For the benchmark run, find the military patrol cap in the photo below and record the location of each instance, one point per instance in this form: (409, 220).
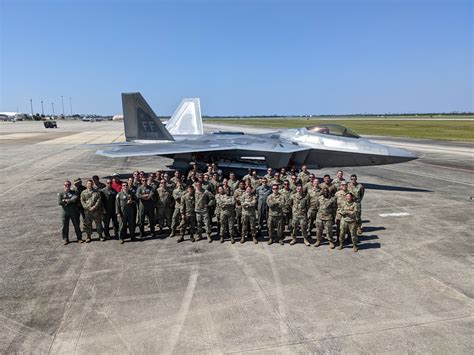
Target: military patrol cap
(77, 180)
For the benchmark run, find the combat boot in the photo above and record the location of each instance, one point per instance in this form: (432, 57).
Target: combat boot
(193, 239)
(341, 246)
(101, 237)
(232, 240)
(331, 245)
(121, 241)
(270, 241)
(254, 238)
(80, 241)
(116, 234)
(242, 240)
(88, 239)
(180, 239)
(318, 243)
(221, 239)
(293, 241)
(65, 242)
(281, 241)
(359, 230)
(306, 242)
(209, 239)
(355, 248)
(172, 234)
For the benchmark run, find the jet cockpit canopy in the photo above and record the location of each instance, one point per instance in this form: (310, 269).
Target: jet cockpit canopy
(333, 129)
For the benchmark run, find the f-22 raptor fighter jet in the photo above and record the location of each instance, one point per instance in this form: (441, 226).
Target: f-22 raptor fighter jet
(183, 140)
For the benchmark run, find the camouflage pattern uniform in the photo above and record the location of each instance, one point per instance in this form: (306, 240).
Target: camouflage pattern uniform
(204, 200)
(313, 195)
(330, 187)
(287, 193)
(304, 177)
(275, 204)
(146, 208)
(336, 182)
(93, 211)
(324, 220)
(358, 192)
(178, 193)
(248, 203)
(349, 212)
(188, 214)
(238, 209)
(226, 206)
(233, 184)
(340, 197)
(164, 206)
(68, 202)
(126, 207)
(300, 203)
(108, 200)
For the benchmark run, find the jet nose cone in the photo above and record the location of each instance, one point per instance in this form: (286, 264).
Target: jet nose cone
(401, 155)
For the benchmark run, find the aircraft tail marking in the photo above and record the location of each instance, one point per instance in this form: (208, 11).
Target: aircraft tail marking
(139, 120)
(186, 118)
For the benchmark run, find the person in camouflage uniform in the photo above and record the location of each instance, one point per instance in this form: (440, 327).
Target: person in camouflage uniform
(108, 200)
(293, 182)
(269, 176)
(349, 212)
(226, 205)
(336, 182)
(164, 205)
(304, 175)
(275, 203)
(238, 208)
(286, 192)
(177, 177)
(78, 188)
(188, 214)
(357, 191)
(233, 182)
(326, 184)
(299, 203)
(277, 180)
(340, 199)
(146, 207)
(313, 195)
(324, 219)
(93, 211)
(178, 193)
(309, 184)
(126, 208)
(67, 199)
(204, 200)
(248, 201)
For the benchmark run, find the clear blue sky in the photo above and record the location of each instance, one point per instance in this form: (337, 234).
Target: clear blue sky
(239, 57)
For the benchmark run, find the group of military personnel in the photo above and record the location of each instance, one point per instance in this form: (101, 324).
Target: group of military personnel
(281, 201)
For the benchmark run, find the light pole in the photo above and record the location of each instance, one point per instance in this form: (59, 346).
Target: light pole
(70, 105)
(42, 108)
(31, 106)
(52, 105)
(62, 103)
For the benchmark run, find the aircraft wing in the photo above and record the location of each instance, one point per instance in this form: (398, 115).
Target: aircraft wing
(202, 146)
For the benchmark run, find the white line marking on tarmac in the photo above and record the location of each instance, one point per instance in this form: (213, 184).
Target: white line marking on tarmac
(425, 175)
(396, 214)
(183, 311)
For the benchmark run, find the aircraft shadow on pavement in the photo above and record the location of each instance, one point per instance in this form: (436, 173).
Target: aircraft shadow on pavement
(394, 188)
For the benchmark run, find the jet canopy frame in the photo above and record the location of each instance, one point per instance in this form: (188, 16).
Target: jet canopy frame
(333, 130)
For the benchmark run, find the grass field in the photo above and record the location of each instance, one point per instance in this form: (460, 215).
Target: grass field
(426, 129)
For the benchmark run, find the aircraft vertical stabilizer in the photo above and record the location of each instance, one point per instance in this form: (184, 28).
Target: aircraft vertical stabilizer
(140, 122)
(186, 118)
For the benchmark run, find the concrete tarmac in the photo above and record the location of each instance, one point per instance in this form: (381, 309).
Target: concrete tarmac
(409, 289)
